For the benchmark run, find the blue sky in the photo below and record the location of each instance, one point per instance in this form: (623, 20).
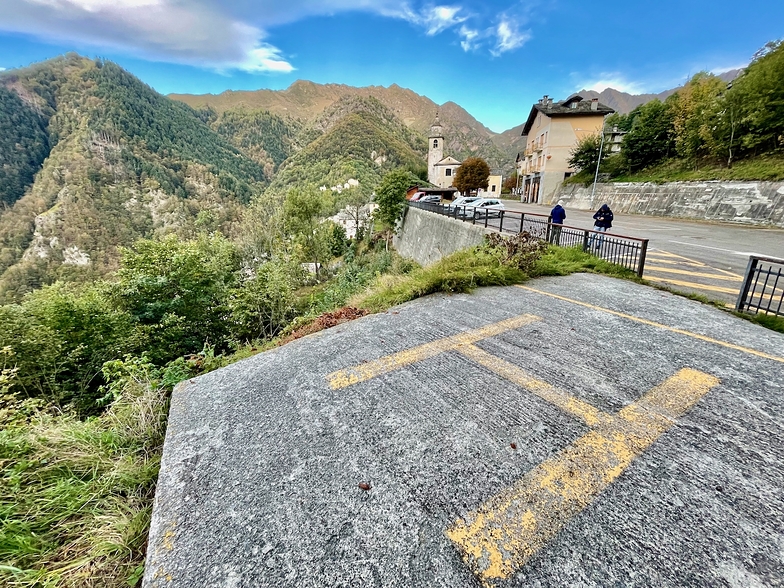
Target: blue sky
(493, 57)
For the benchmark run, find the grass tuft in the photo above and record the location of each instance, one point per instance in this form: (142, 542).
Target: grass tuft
(76, 496)
(460, 272)
(562, 261)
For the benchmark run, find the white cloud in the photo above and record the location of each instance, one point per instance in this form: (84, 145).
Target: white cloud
(471, 38)
(434, 19)
(266, 58)
(440, 18)
(166, 30)
(230, 34)
(509, 36)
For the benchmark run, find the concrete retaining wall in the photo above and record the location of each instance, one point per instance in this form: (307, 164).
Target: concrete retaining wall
(426, 237)
(756, 203)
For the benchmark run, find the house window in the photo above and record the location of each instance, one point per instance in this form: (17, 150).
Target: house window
(435, 143)
(573, 105)
(493, 188)
(448, 172)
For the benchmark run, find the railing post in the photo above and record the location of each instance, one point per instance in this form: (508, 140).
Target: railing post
(744, 291)
(501, 223)
(643, 253)
(549, 232)
(585, 241)
(522, 219)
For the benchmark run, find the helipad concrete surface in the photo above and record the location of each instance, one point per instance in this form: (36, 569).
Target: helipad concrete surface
(578, 431)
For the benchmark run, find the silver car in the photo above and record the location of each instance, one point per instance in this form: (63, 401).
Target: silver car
(489, 207)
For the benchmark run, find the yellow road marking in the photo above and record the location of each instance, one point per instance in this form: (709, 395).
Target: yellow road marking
(695, 285)
(658, 325)
(590, 415)
(663, 253)
(383, 365)
(670, 261)
(693, 261)
(669, 270)
(501, 535)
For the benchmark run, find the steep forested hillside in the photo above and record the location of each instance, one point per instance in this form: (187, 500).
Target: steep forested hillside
(266, 138)
(355, 138)
(306, 102)
(24, 144)
(122, 162)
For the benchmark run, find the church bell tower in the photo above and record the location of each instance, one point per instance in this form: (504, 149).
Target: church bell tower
(435, 150)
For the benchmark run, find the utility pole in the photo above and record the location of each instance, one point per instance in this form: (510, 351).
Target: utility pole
(598, 163)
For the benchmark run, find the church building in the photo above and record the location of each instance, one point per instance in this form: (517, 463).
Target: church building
(440, 170)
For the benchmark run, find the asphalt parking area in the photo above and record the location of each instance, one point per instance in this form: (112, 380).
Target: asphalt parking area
(575, 431)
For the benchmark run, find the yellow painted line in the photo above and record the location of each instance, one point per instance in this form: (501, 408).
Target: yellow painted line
(501, 535)
(671, 262)
(669, 270)
(668, 254)
(366, 371)
(695, 262)
(695, 285)
(659, 325)
(590, 415)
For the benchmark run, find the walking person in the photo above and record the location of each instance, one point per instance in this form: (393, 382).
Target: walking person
(558, 216)
(602, 221)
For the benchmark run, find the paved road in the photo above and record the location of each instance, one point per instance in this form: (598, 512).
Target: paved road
(578, 431)
(701, 257)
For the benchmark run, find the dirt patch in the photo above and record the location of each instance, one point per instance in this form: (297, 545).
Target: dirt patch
(326, 321)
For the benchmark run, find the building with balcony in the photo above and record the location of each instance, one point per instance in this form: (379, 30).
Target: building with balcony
(552, 131)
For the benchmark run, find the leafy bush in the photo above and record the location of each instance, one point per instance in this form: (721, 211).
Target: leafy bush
(265, 302)
(177, 293)
(60, 337)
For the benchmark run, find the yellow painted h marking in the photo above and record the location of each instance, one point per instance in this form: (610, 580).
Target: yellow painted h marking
(383, 365)
(502, 534)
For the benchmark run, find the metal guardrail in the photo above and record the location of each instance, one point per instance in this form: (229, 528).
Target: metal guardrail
(628, 252)
(763, 287)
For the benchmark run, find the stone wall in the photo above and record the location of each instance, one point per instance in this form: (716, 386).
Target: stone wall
(755, 203)
(426, 237)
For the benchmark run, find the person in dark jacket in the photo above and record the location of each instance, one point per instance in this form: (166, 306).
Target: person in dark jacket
(602, 221)
(558, 215)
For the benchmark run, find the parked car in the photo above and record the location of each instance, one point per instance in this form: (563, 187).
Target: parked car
(416, 196)
(490, 207)
(431, 198)
(461, 202)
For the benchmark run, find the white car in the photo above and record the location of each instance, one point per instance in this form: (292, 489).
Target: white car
(462, 201)
(430, 198)
(485, 207)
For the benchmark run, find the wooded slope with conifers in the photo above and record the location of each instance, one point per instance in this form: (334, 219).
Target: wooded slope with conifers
(94, 159)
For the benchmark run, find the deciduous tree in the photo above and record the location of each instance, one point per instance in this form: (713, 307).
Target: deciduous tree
(472, 175)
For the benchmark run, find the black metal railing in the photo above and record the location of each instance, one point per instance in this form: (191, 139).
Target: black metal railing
(628, 252)
(763, 287)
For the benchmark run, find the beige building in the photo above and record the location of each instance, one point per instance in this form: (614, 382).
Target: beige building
(493, 187)
(552, 130)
